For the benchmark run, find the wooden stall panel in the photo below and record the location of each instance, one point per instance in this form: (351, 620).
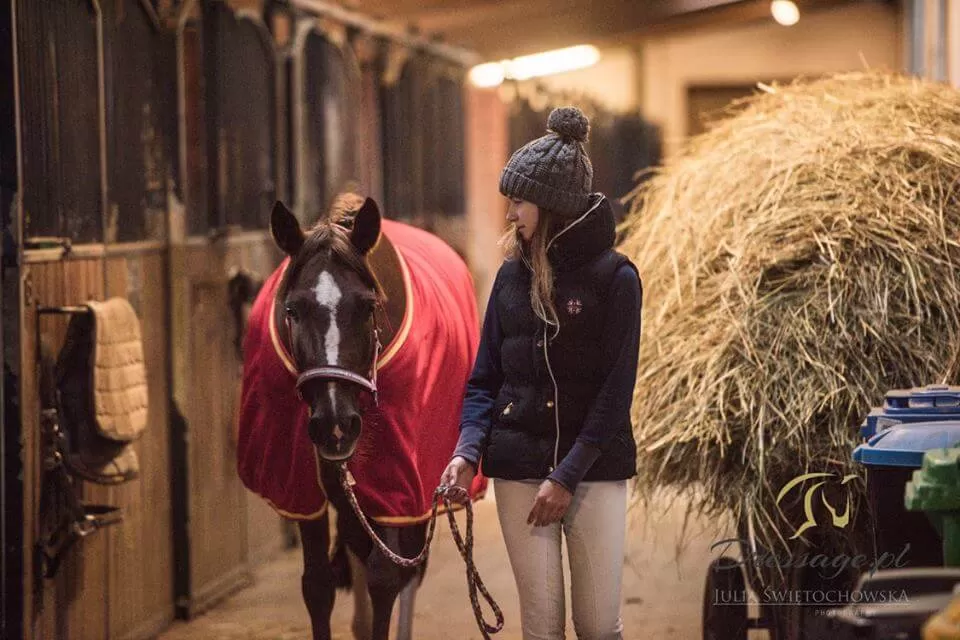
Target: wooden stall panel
(223, 531)
(217, 511)
(73, 605)
(116, 583)
(88, 610)
(157, 544)
(267, 533)
(141, 548)
(126, 598)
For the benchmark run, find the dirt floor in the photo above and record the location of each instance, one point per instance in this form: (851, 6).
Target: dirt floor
(663, 588)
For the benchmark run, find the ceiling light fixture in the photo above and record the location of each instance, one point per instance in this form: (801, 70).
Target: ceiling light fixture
(785, 12)
(491, 74)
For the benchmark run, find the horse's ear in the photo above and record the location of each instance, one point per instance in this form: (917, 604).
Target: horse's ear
(366, 227)
(286, 229)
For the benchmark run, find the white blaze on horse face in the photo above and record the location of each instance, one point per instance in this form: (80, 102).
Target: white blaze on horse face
(331, 389)
(328, 295)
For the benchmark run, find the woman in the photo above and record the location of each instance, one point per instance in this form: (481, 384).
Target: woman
(547, 408)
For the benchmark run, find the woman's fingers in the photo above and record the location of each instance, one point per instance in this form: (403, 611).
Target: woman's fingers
(543, 513)
(454, 473)
(449, 477)
(456, 480)
(550, 515)
(534, 517)
(457, 494)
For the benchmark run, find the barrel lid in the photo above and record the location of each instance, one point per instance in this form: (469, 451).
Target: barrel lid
(934, 397)
(904, 445)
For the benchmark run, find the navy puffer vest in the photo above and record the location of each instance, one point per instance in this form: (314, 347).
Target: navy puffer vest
(549, 386)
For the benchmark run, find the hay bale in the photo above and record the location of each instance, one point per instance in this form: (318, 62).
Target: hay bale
(799, 259)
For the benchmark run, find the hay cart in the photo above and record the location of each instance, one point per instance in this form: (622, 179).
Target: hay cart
(893, 440)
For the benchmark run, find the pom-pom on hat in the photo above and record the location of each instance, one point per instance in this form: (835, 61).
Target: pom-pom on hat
(553, 171)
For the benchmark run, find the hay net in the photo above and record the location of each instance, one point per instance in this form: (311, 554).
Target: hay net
(799, 259)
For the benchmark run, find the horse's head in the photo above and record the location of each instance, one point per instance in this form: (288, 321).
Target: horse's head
(329, 298)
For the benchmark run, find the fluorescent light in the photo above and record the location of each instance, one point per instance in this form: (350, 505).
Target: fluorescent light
(550, 62)
(491, 74)
(785, 12)
(487, 75)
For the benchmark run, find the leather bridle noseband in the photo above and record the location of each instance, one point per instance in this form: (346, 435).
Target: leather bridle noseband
(332, 372)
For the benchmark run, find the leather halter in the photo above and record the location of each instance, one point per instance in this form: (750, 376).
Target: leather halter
(332, 372)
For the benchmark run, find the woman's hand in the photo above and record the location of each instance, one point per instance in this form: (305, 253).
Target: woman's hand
(551, 503)
(458, 476)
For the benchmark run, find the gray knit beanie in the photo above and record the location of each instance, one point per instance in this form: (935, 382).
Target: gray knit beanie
(553, 172)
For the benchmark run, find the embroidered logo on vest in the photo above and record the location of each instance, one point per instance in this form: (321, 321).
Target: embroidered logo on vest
(574, 306)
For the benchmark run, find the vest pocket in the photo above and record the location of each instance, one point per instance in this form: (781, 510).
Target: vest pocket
(516, 455)
(505, 408)
(511, 408)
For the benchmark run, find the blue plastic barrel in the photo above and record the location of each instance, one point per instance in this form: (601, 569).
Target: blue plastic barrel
(890, 457)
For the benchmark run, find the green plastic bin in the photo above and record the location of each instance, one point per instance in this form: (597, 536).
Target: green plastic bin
(935, 490)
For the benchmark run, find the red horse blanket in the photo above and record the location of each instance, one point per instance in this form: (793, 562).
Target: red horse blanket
(407, 441)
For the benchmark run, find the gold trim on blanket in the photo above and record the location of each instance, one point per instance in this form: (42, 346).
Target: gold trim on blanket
(398, 340)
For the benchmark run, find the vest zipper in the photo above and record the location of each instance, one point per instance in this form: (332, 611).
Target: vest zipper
(575, 222)
(546, 356)
(556, 399)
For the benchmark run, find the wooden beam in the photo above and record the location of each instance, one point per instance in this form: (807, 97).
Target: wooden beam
(527, 26)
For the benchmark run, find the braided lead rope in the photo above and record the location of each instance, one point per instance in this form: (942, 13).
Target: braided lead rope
(465, 546)
(347, 482)
(474, 583)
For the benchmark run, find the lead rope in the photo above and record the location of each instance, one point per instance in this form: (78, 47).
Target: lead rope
(464, 545)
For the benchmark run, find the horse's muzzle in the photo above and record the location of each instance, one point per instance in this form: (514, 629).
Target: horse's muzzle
(335, 441)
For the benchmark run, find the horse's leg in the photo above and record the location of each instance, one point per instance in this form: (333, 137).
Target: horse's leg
(362, 609)
(408, 595)
(317, 583)
(384, 579)
(387, 580)
(407, 598)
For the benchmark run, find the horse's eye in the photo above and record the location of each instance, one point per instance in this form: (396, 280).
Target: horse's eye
(290, 311)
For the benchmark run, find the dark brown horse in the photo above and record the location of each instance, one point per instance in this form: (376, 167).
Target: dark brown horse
(338, 300)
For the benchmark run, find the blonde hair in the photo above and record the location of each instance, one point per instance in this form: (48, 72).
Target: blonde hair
(534, 254)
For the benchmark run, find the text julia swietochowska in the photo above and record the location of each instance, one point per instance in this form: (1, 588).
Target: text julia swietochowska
(822, 597)
(830, 565)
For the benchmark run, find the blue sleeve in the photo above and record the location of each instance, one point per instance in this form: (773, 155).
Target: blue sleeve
(621, 348)
(482, 387)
